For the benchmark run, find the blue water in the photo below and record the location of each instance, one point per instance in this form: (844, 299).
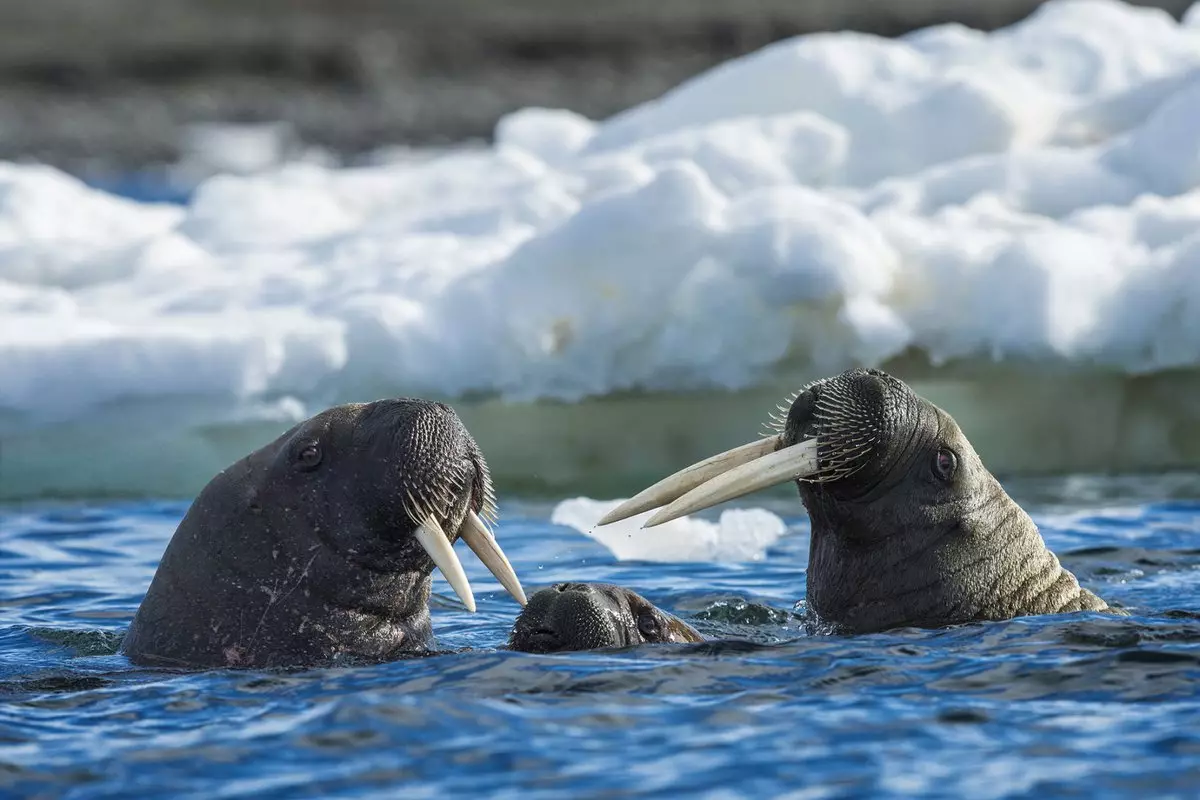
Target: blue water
(1074, 706)
(144, 187)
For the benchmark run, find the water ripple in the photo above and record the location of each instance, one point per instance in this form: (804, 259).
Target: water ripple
(1053, 706)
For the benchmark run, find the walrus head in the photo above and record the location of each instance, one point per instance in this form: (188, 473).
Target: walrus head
(587, 616)
(320, 545)
(908, 526)
(402, 478)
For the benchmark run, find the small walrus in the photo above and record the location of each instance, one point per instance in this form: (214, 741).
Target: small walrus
(588, 616)
(319, 546)
(909, 529)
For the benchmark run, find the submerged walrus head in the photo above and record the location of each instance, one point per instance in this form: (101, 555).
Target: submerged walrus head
(320, 545)
(588, 616)
(908, 526)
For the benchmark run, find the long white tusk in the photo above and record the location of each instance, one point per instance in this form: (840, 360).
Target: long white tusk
(484, 544)
(433, 539)
(788, 464)
(675, 486)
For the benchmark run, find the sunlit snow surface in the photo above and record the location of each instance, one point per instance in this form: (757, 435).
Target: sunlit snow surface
(832, 199)
(1027, 197)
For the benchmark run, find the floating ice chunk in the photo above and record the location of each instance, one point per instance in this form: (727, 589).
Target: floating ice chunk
(548, 133)
(1092, 47)
(1049, 182)
(842, 77)
(1030, 195)
(48, 358)
(746, 153)
(290, 207)
(1165, 150)
(211, 148)
(56, 231)
(739, 534)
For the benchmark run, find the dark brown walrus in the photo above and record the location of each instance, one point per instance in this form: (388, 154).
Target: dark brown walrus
(587, 616)
(908, 527)
(319, 546)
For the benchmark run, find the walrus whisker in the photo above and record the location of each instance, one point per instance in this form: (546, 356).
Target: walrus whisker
(483, 543)
(417, 512)
(675, 486)
(479, 539)
(487, 505)
(432, 538)
(489, 512)
(846, 458)
(788, 464)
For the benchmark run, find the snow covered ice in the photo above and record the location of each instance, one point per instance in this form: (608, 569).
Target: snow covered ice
(1027, 197)
(739, 534)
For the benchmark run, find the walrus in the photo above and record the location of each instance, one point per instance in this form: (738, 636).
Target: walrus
(909, 529)
(318, 548)
(589, 616)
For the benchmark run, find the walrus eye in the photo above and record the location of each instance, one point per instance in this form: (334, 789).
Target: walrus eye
(945, 464)
(648, 624)
(309, 457)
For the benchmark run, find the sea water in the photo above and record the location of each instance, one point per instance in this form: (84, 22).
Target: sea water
(1079, 705)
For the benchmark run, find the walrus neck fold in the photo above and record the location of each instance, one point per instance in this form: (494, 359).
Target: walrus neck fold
(1030, 578)
(987, 561)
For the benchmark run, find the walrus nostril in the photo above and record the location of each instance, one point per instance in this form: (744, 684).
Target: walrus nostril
(572, 587)
(802, 416)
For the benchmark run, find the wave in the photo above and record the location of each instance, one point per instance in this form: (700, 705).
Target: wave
(1022, 203)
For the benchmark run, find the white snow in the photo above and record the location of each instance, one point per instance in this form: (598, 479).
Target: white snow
(836, 199)
(738, 535)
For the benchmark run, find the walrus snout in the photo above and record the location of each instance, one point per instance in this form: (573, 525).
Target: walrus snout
(567, 616)
(825, 432)
(440, 485)
(828, 431)
(588, 616)
(853, 417)
(427, 456)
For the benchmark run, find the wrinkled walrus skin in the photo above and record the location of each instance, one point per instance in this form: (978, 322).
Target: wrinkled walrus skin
(909, 528)
(589, 616)
(309, 550)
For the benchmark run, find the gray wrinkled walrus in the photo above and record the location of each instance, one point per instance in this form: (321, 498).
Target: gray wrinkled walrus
(319, 546)
(588, 616)
(908, 527)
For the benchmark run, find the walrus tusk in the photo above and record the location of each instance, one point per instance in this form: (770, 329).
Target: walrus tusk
(675, 486)
(484, 545)
(797, 461)
(433, 539)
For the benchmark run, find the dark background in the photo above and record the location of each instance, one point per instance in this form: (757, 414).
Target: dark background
(112, 83)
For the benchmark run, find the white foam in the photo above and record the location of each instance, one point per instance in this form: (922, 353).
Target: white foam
(835, 199)
(738, 535)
